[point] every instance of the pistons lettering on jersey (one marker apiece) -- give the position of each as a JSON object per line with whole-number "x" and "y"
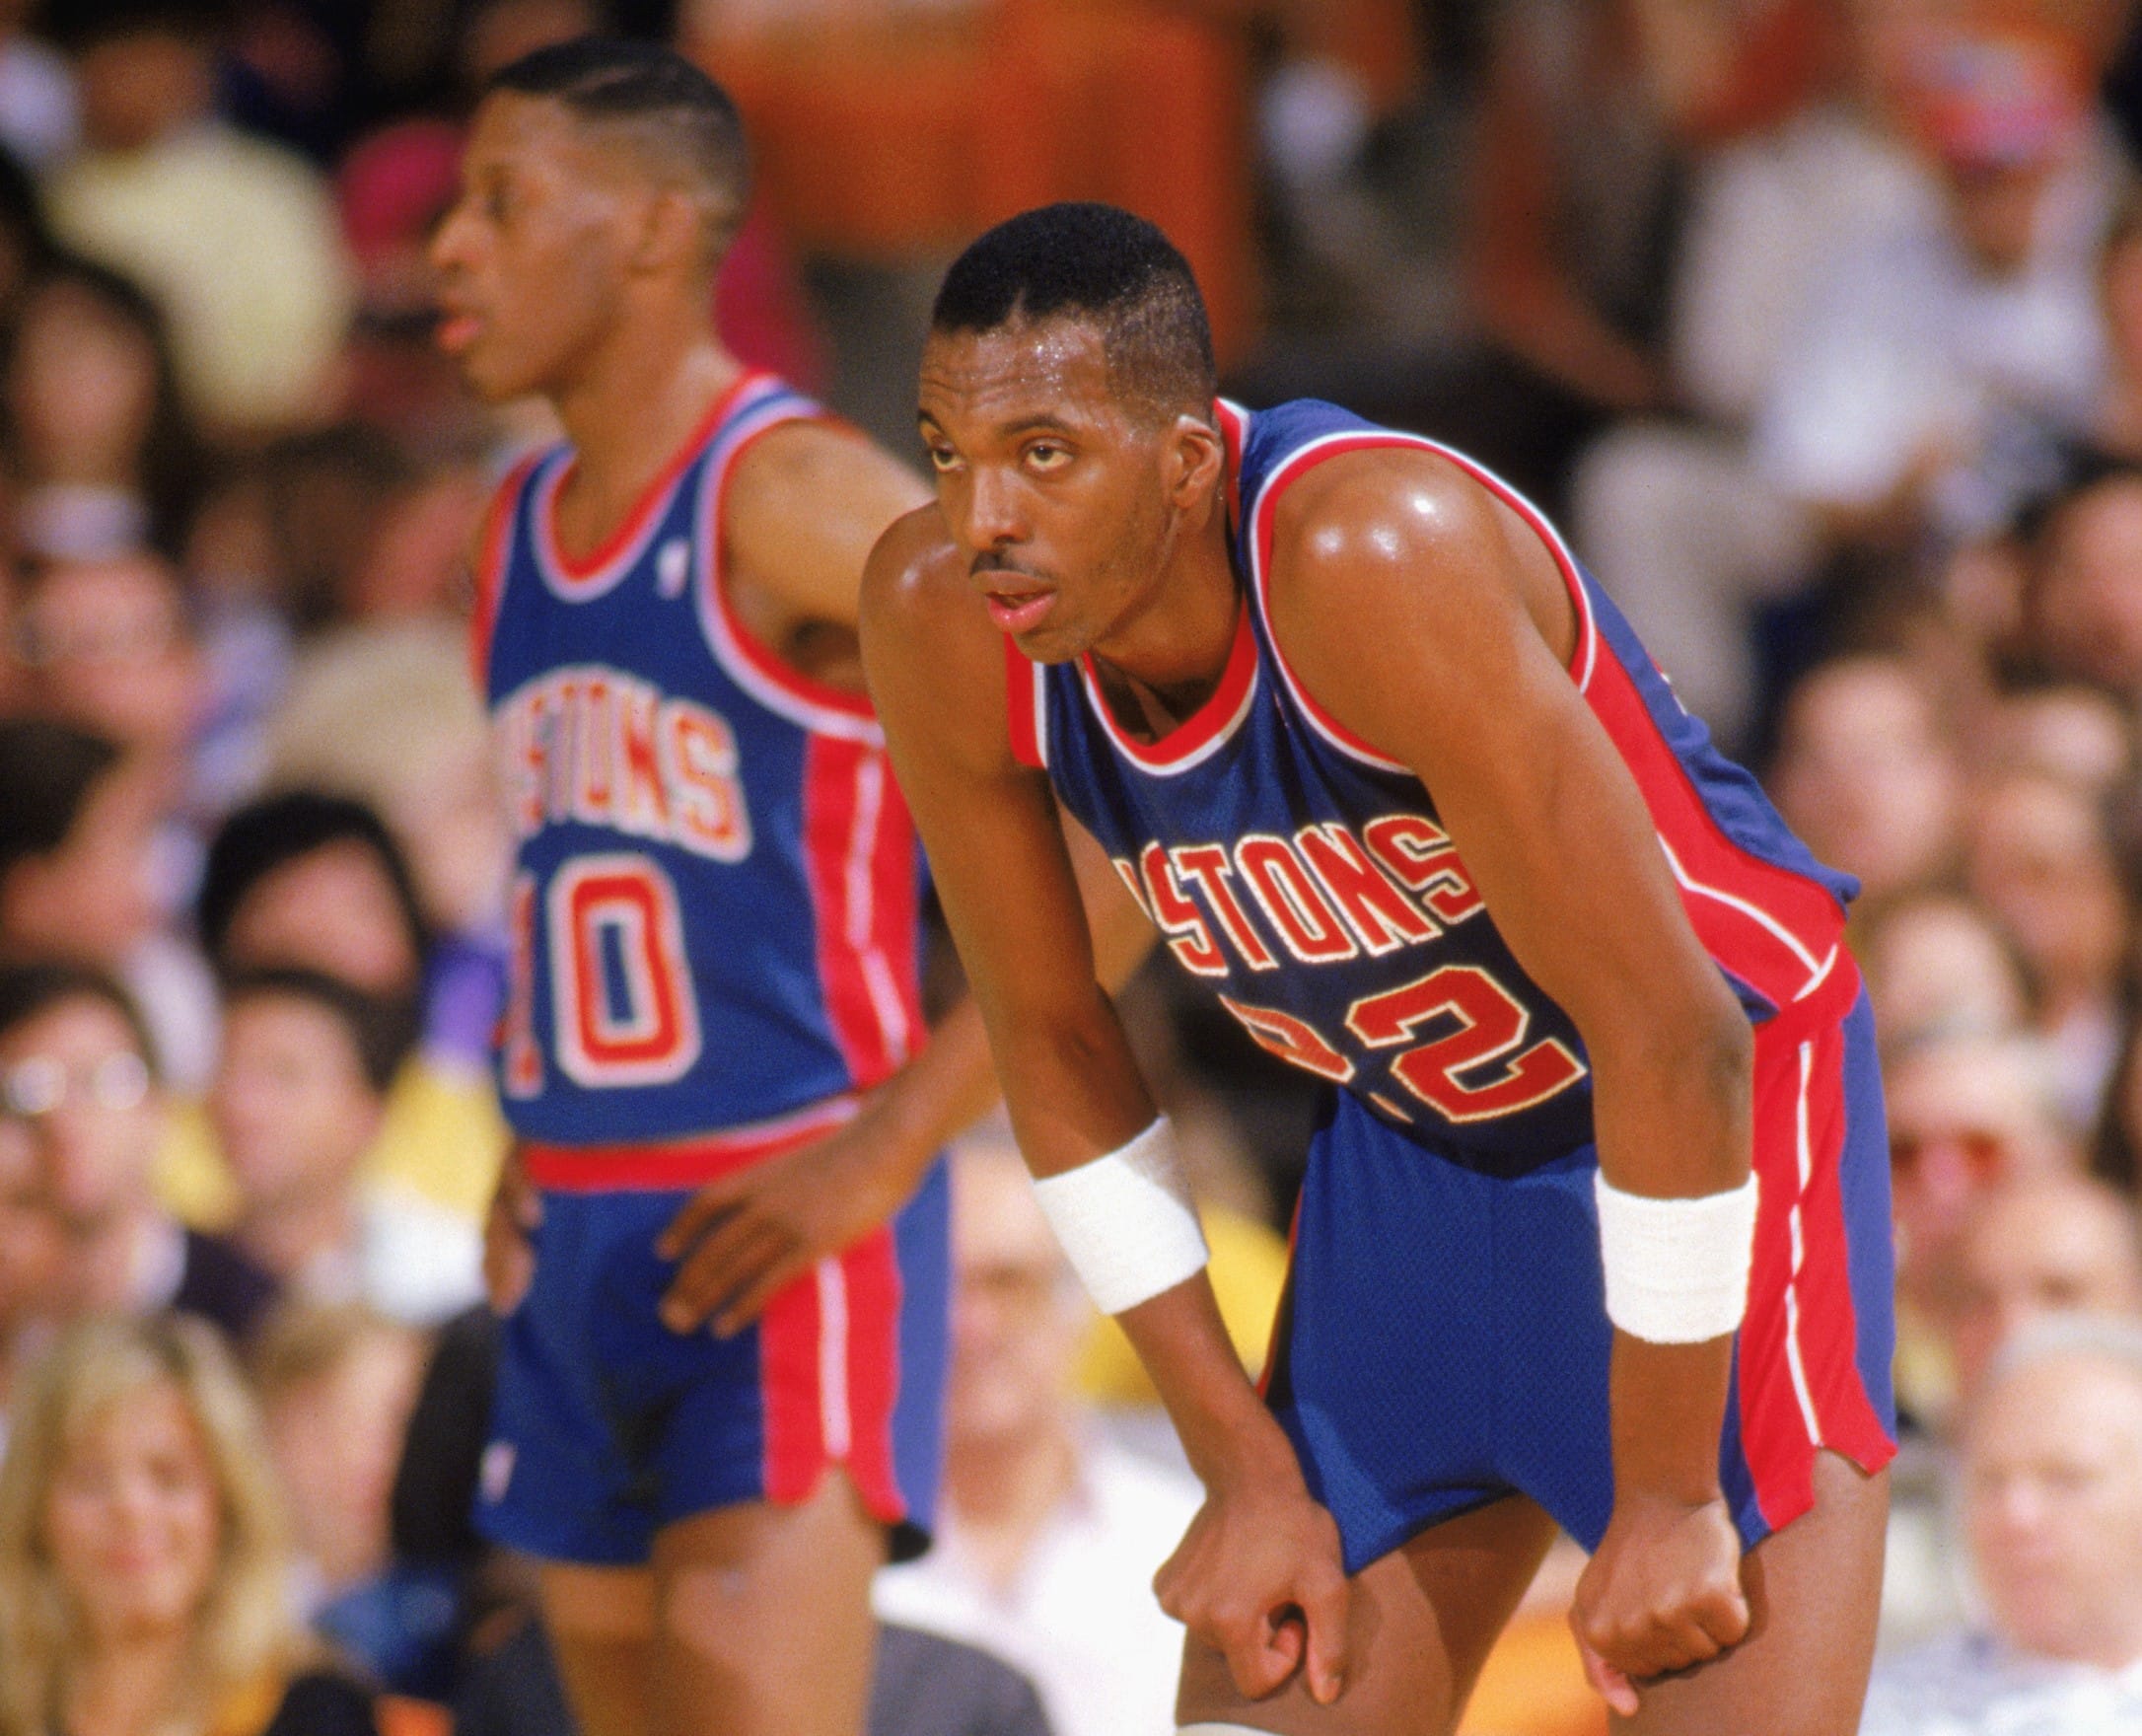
{"x": 1325, "y": 895}
{"x": 596, "y": 744}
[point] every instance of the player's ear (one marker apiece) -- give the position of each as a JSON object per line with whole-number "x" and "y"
{"x": 1195, "y": 457}
{"x": 673, "y": 232}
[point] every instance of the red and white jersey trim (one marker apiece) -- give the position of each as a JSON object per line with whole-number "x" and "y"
{"x": 1026, "y": 707}
{"x": 1264, "y": 509}
{"x": 1206, "y": 730}
{"x": 682, "y": 1163}
{"x": 594, "y": 575}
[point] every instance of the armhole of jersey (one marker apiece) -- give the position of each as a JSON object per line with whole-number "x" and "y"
{"x": 1262, "y": 529}
{"x": 490, "y": 574}
{"x": 754, "y": 666}
{"x": 1025, "y": 698}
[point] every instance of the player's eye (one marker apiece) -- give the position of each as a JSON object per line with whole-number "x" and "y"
{"x": 1046, "y": 455}
{"x": 942, "y": 458}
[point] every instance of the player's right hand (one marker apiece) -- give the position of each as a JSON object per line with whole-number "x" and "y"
{"x": 1257, "y": 1577}
{"x": 509, "y": 1258}
{"x": 1662, "y": 1593}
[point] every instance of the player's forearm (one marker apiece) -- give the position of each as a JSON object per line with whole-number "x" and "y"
{"x": 1667, "y": 1406}
{"x": 944, "y": 1090}
{"x": 1673, "y": 1121}
{"x": 1227, "y": 1432}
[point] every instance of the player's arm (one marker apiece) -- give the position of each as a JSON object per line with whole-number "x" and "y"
{"x": 809, "y": 500}
{"x": 936, "y": 667}
{"x": 1430, "y": 621}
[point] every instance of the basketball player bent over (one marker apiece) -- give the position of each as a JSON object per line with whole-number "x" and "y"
{"x": 713, "y": 1055}
{"x": 1595, "y": 1227}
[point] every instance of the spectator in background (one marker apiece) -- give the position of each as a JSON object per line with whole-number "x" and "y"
{"x": 1967, "y": 1114}
{"x": 2051, "y": 1493}
{"x": 2076, "y": 736}
{"x": 316, "y": 881}
{"x": 143, "y": 1570}
{"x": 1942, "y": 362}
{"x": 31, "y": 1253}
{"x": 40, "y": 118}
{"x": 298, "y": 1102}
{"x": 336, "y": 1382}
{"x": 387, "y": 715}
{"x": 2083, "y": 606}
{"x": 236, "y": 237}
{"x": 98, "y": 439}
{"x": 2053, "y": 1244}
{"x": 1938, "y": 965}
{"x": 1670, "y": 512}
{"x": 1049, "y": 1536}
{"x": 76, "y": 1070}
{"x": 79, "y": 870}
{"x": 2039, "y": 858}
{"x": 1868, "y": 776}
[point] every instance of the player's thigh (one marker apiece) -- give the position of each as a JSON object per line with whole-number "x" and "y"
{"x": 763, "y": 1617}
{"x": 1420, "y": 1625}
{"x": 601, "y": 1623}
{"x": 1814, "y": 1590}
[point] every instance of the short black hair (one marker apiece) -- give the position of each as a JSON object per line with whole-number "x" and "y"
{"x": 31, "y": 989}
{"x": 278, "y": 829}
{"x": 47, "y": 771}
{"x": 678, "y": 112}
{"x": 382, "y": 1028}
{"x": 1103, "y": 263}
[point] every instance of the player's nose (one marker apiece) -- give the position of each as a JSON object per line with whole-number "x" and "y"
{"x": 994, "y": 516}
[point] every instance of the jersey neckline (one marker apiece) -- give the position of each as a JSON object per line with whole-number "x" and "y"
{"x": 613, "y": 552}
{"x": 1207, "y": 729}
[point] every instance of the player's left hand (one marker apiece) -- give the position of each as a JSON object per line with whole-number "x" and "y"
{"x": 740, "y": 1239}
{"x": 1662, "y": 1593}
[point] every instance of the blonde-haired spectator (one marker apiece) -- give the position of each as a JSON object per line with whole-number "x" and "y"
{"x": 143, "y": 1563}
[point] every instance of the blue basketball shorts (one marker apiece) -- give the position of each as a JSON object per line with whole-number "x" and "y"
{"x": 609, "y": 1426}
{"x": 1443, "y": 1340}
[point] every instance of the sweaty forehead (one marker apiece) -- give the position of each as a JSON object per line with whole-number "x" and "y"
{"x": 1017, "y": 371}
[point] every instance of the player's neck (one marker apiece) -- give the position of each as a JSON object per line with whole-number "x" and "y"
{"x": 1165, "y": 658}
{"x": 629, "y": 413}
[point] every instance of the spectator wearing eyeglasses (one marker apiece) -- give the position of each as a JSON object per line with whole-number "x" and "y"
{"x": 78, "y": 852}
{"x": 77, "y": 1074}
{"x": 1968, "y": 1113}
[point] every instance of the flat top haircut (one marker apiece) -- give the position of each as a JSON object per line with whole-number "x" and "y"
{"x": 679, "y": 120}
{"x": 1103, "y": 264}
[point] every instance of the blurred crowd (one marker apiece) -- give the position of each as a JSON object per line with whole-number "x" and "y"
{"x": 1817, "y": 324}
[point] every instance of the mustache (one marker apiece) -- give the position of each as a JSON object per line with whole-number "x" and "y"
{"x": 992, "y": 561}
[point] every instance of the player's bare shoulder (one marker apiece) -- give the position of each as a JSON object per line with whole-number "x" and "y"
{"x": 934, "y": 660}
{"x": 1406, "y": 533}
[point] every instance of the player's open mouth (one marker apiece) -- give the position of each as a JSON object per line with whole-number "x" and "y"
{"x": 1019, "y": 611}
{"x": 456, "y": 331}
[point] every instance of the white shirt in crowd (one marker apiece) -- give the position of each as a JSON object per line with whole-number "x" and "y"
{"x": 1973, "y": 1685}
{"x": 413, "y": 1261}
{"x": 1080, "y": 1620}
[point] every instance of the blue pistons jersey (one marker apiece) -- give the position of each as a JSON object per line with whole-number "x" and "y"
{"x": 1307, "y": 879}
{"x": 715, "y": 892}
{"x": 1443, "y": 1337}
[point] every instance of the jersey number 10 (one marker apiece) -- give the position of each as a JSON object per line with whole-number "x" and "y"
{"x": 622, "y": 1007}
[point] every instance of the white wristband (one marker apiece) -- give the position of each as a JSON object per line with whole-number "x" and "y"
{"x": 1126, "y": 1220}
{"x": 1676, "y": 1270}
